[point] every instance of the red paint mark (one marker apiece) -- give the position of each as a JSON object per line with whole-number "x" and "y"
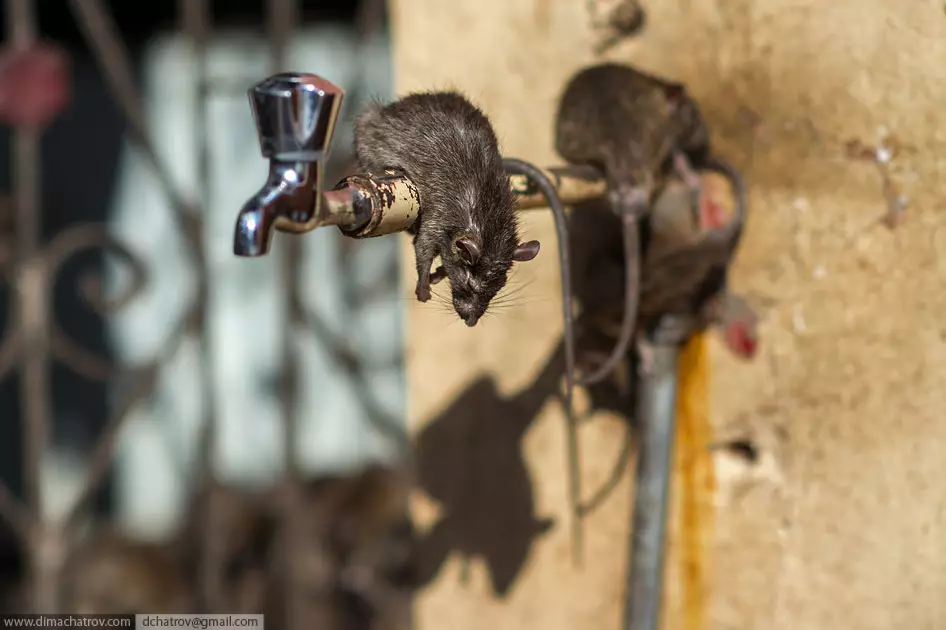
{"x": 741, "y": 340}
{"x": 34, "y": 85}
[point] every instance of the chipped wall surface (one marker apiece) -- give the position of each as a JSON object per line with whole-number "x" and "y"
{"x": 838, "y": 523}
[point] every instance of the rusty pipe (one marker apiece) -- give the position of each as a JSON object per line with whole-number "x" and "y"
{"x": 575, "y": 184}
{"x": 364, "y": 207}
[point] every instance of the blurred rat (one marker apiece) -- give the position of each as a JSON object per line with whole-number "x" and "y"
{"x": 110, "y": 573}
{"x": 637, "y": 129}
{"x": 372, "y": 532}
{"x": 684, "y": 274}
{"x": 375, "y": 540}
{"x": 351, "y": 549}
{"x": 224, "y": 545}
{"x": 685, "y": 270}
{"x": 622, "y": 20}
{"x": 448, "y": 149}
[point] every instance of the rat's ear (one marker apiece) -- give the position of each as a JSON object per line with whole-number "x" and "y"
{"x": 468, "y": 250}
{"x": 676, "y": 94}
{"x": 526, "y": 251}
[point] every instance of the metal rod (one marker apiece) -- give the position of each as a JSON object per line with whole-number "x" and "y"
{"x": 33, "y": 320}
{"x": 104, "y": 40}
{"x": 657, "y": 393}
{"x": 196, "y": 22}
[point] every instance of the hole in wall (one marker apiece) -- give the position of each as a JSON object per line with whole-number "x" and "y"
{"x": 743, "y": 448}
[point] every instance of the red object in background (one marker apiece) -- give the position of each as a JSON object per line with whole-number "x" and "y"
{"x": 740, "y": 340}
{"x": 34, "y": 84}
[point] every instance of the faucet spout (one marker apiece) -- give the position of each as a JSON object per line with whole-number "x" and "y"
{"x": 253, "y": 228}
{"x": 289, "y": 202}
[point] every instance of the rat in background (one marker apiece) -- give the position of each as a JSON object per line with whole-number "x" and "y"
{"x": 637, "y": 129}
{"x": 684, "y": 273}
{"x": 111, "y": 573}
{"x": 622, "y": 20}
{"x": 448, "y": 148}
{"x": 686, "y": 270}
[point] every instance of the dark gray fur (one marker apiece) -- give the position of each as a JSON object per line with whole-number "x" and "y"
{"x": 448, "y": 148}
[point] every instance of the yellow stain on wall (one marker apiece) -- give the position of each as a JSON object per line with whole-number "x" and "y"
{"x": 693, "y": 485}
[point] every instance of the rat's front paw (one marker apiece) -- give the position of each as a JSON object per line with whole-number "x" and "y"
{"x": 645, "y": 356}
{"x": 422, "y": 292}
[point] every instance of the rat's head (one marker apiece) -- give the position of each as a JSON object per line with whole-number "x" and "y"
{"x": 478, "y": 267}
{"x": 686, "y": 126}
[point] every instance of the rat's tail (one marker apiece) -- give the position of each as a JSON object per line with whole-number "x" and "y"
{"x": 631, "y": 234}
{"x": 544, "y": 183}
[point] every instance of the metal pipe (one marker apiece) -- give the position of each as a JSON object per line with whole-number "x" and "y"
{"x": 657, "y": 394}
{"x": 363, "y": 207}
{"x": 574, "y": 184}
{"x": 45, "y": 556}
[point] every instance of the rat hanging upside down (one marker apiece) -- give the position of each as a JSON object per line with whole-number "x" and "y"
{"x": 448, "y": 148}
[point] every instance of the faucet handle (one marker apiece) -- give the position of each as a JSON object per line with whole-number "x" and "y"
{"x": 295, "y": 116}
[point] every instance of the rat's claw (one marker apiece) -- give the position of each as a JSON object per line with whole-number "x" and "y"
{"x": 682, "y": 166}
{"x": 422, "y": 293}
{"x": 645, "y": 354}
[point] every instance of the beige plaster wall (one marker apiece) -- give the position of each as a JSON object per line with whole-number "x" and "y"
{"x": 840, "y": 523}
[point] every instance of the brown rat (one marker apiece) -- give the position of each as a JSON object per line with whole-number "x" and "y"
{"x": 110, "y": 573}
{"x": 224, "y": 544}
{"x": 375, "y": 541}
{"x": 351, "y": 552}
{"x": 637, "y": 128}
{"x": 622, "y": 20}
{"x": 448, "y": 148}
{"x": 686, "y": 264}
{"x": 685, "y": 272}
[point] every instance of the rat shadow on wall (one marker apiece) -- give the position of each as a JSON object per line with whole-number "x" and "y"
{"x": 470, "y": 459}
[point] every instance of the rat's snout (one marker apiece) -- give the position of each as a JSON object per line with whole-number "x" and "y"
{"x": 468, "y": 314}
{"x": 468, "y": 309}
